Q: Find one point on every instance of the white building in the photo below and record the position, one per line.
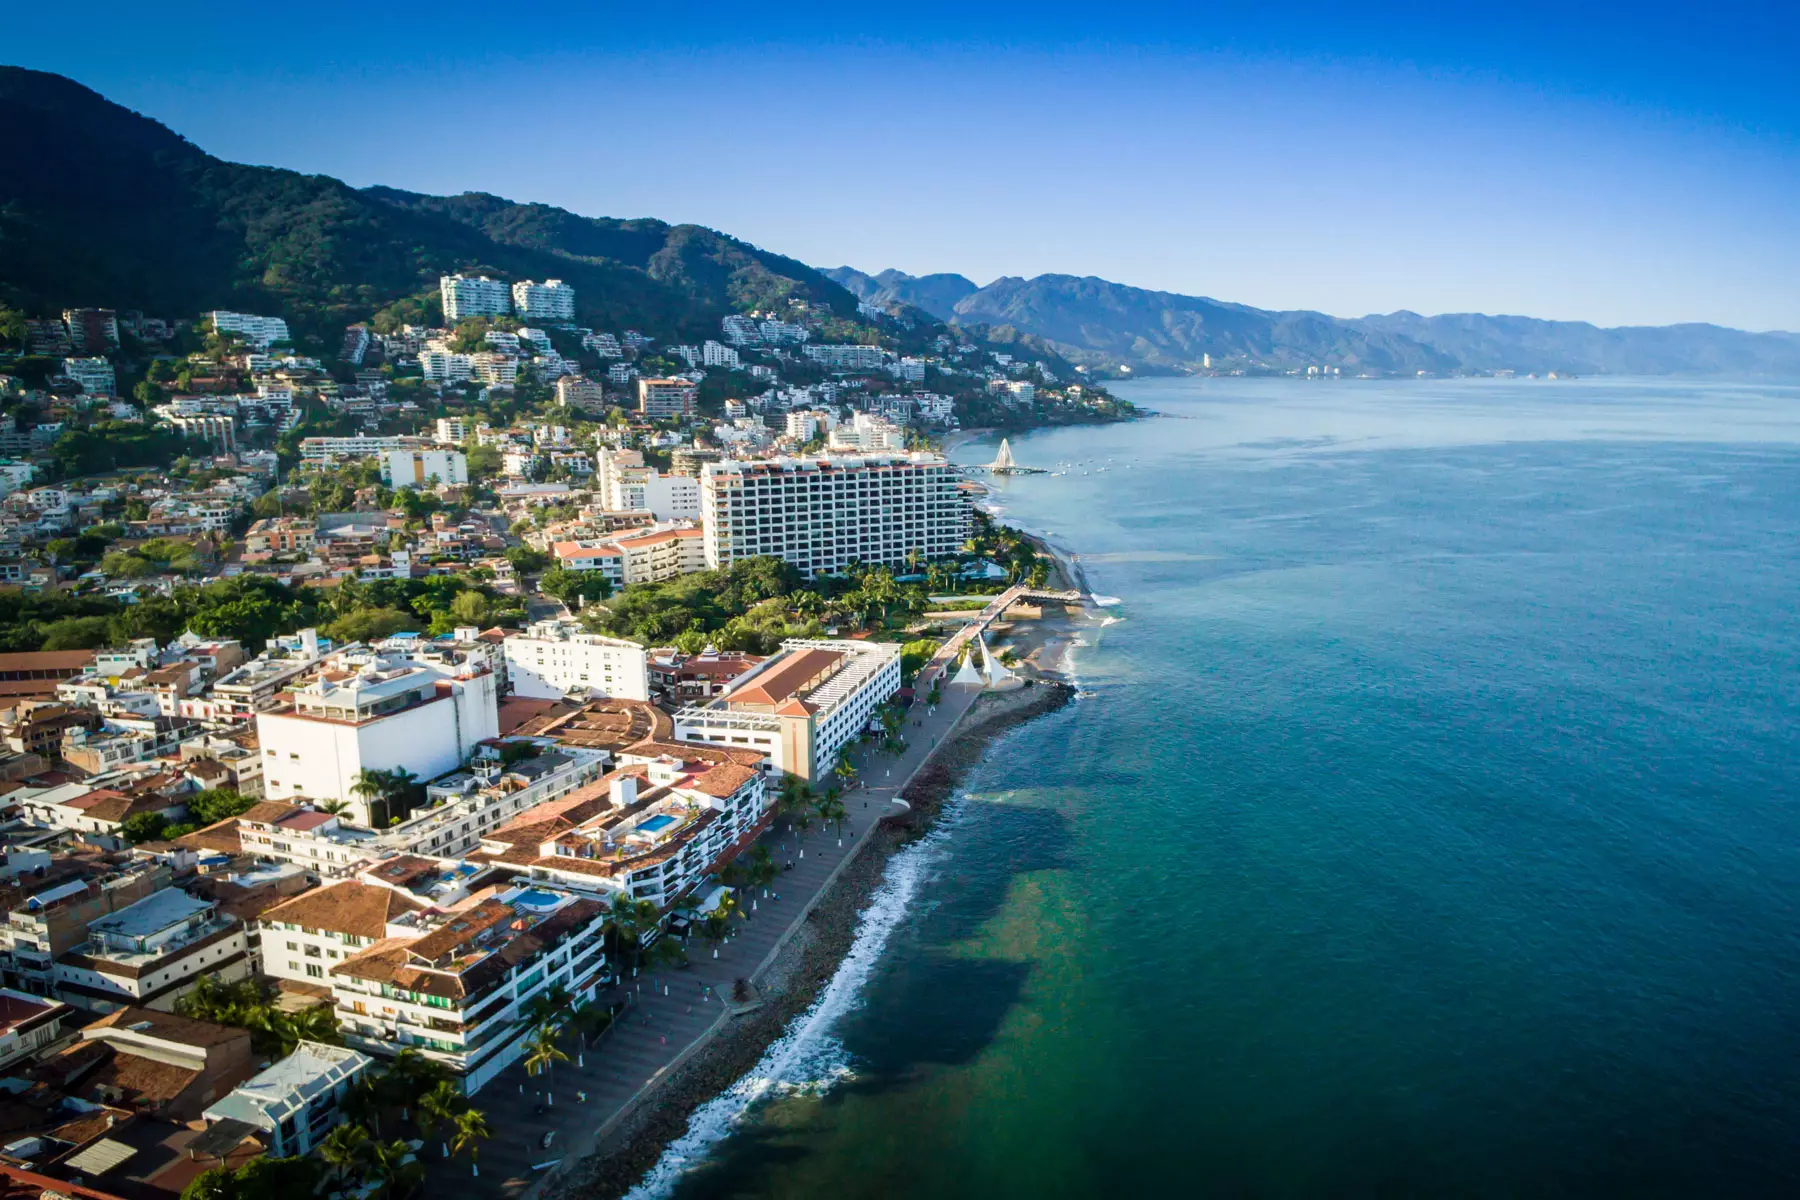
(374, 713)
(636, 556)
(470, 975)
(846, 357)
(441, 366)
(453, 431)
(557, 658)
(625, 484)
(305, 937)
(717, 354)
(822, 514)
(552, 300)
(495, 370)
(473, 296)
(295, 1101)
(259, 332)
(660, 399)
(330, 449)
(95, 375)
(146, 954)
(865, 433)
(799, 707)
(424, 468)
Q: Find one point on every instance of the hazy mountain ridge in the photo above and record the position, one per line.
(1095, 320)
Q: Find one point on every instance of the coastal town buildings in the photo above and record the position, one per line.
(822, 514)
(424, 468)
(666, 399)
(552, 301)
(801, 707)
(258, 332)
(467, 296)
(557, 658)
(374, 713)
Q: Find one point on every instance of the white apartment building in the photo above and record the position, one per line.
(800, 707)
(330, 449)
(552, 300)
(625, 484)
(636, 556)
(867, 432)
(374, 713)
(556, 658)
(442, 367)
(717, 354)
(305, 937)
(660, 399)
(495, 370)
(473, 296)
(455, 984)
(95, 375)
(146, 954)
(821, 514)
(310, 839)
(846, 357)
(259, 332)
(653, 830)
(424, 468)
(453, 431)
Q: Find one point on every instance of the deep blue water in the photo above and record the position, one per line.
(1433, 826)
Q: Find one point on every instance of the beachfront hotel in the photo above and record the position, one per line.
(822, 514)
(654, 829)
(455, 982)
(801, 707)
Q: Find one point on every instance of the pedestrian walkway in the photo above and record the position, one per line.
(669, 1011)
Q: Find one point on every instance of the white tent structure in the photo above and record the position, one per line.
(998, 673)
(968, 674)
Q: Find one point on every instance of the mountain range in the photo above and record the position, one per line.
(1095, 321)
(102, 206)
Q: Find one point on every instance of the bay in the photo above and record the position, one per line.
(1429, 825)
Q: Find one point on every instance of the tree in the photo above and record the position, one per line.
(371, 625)
(143, 827)
(346, 1149)
(471, 1130)
(542, 1052)
(572, 587)
(440, 1105)
(371, 787)
(831, 810)
(394, 1165)
(471, 608)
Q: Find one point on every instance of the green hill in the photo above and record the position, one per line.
(102, 206)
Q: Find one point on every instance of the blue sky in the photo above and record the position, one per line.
(1621, 164)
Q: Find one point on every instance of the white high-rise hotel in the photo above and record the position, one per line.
(551, 300)
(473, 296)
(821, 514)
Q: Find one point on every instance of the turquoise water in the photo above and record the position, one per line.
(1432, 826)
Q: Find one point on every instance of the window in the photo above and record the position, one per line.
(315, 970)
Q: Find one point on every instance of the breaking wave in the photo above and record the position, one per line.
(808, 1058)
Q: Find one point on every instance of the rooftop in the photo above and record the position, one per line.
(288, 1085)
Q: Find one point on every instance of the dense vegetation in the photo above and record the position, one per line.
(99, 205)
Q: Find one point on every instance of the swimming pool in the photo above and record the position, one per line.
(656, 824)
(536, 899)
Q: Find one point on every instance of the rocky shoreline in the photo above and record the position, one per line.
(803, 967)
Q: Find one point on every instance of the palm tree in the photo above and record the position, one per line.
(844, 771)
(316, 1024)
(400, 785)
(393, 1164)
(361, 1103)
(471, 1129)
(440, 1105)
(371, 787)
(629, 920)
(346, 1148)
(831, 810)
(588, 1020)
(547, 1003)
(762, 866)
(334, 807)
(542, 1052)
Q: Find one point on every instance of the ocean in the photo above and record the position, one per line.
(1429, 824)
